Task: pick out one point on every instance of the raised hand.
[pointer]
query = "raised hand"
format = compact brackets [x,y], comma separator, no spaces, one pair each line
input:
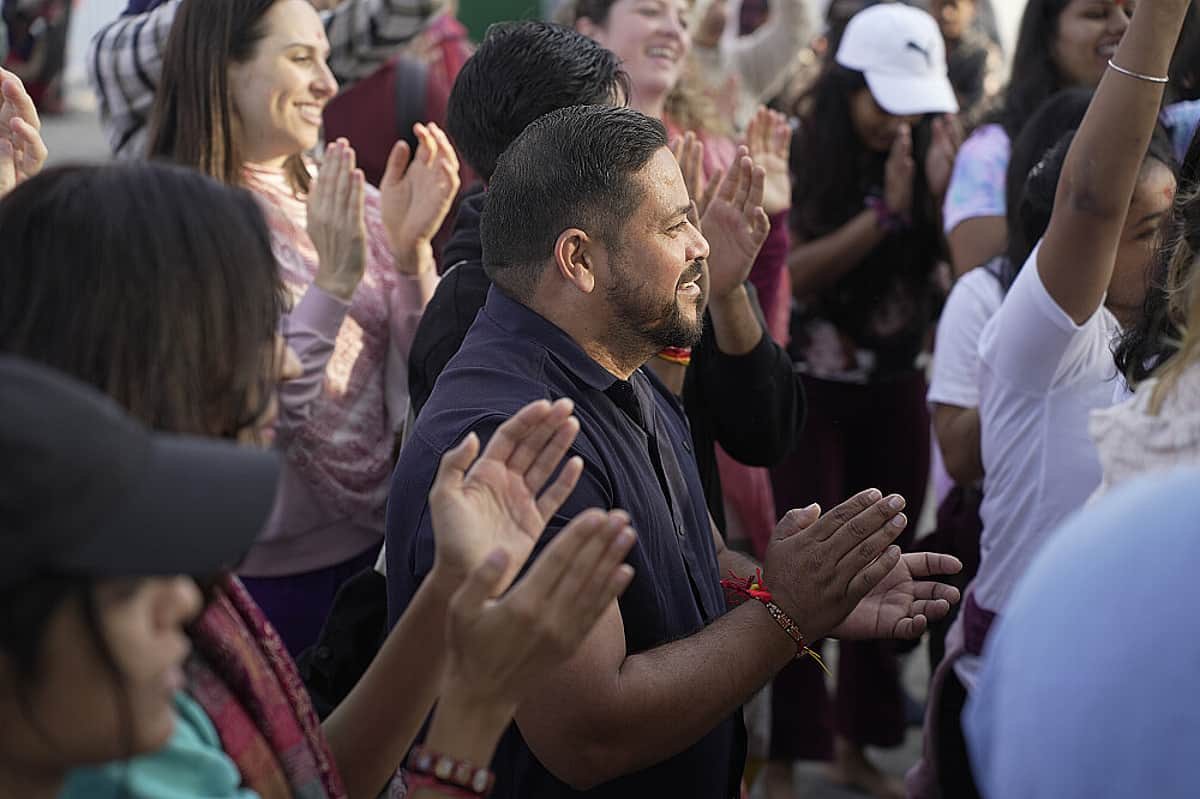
[898,173]
[689,153]
[415,196]
[497,501]
[769,139]
[943,149]
[820,567]
[903,604]
[335,222]
[735,225]
[498,648]
[22,151]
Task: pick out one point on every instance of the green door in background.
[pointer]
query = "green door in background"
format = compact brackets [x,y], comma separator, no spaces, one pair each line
[478,14]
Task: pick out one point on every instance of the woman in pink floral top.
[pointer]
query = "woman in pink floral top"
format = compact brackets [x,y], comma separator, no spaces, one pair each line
[244,105]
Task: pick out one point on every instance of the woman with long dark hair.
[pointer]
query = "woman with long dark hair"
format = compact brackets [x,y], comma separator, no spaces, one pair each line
[243,86]
[871,160]
[1061,43]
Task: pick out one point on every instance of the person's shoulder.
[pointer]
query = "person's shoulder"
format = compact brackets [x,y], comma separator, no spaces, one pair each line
[988,139]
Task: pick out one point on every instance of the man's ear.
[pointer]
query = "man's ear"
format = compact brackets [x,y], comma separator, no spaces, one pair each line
[575,256]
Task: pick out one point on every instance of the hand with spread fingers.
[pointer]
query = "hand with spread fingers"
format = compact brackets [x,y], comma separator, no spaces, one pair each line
[22,151]
[735,225]
[500,499]
[415,196]
[839,574]
[769,139]
[336,223]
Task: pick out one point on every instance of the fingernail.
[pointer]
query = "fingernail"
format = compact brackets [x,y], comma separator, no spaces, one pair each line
[896,502]
[874,495]
[899,521]
[625,537]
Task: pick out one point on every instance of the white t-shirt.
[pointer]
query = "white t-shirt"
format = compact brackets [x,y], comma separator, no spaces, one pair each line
[954,379]
[1041,375]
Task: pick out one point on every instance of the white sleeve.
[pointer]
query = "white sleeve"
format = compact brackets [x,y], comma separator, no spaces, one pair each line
[1033,344]
[955,375]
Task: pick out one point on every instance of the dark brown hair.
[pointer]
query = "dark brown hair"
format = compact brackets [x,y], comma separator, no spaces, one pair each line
[151,282]
[193,122]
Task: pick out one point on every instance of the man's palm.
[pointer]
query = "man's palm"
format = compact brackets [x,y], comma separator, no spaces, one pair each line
[903,603]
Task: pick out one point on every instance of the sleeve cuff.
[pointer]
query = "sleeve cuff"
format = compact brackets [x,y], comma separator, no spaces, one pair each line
[318,311]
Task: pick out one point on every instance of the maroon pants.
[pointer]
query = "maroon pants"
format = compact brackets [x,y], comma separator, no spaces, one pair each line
[855,437]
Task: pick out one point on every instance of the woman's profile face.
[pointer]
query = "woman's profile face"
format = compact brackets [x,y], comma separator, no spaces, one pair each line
[76,711]
[1088,34]
[1152,200]
[280,94]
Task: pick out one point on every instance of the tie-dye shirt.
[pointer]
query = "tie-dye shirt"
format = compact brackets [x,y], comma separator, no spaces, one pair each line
[977,183]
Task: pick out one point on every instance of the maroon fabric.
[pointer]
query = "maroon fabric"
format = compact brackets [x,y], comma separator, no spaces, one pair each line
[977,623]
[856,437]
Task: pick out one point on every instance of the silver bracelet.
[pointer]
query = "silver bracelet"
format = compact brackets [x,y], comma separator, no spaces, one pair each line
[1138,75]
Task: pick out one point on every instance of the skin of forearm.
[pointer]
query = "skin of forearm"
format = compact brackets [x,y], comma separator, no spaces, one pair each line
[735,324]
[372,729]
[817,264]
[696,683]
[958,435]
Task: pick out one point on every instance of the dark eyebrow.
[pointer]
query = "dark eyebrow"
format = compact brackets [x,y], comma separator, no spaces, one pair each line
[312,48]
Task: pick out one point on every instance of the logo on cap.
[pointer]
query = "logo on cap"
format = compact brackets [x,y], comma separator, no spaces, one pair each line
[922,50]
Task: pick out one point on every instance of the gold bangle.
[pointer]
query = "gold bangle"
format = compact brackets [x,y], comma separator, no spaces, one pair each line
[1137,75]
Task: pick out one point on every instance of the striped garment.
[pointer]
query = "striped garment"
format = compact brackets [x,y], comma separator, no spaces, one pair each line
[124,62]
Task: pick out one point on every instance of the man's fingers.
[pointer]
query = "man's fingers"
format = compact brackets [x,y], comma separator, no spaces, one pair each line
[933,590]
[22,104]
[33,149]
[847,510]
[557,492]
[928,564]
[745,168]
[758,181]
[861,540]
[910,628]
[514,430]
[607,545]
[932,609]
[576,548]
[872,574]
[796,520]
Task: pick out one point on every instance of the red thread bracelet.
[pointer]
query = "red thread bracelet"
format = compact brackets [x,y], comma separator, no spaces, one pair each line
[754,588]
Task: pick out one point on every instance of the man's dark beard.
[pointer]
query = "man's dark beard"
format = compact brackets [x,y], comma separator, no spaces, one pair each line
[659,326]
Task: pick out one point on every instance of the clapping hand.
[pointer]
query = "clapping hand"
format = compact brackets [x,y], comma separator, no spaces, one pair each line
[22,151]
[943,149]
[689,154]
[769,139]
[336,223]
[500,500]
[735,225]
[415,196]
[839,574]
[498,648]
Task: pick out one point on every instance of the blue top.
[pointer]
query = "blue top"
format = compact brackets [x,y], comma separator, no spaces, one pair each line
[192,765]
[1088,685]
[637,454]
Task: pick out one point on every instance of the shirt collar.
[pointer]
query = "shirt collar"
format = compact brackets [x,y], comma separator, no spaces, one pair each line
[523,322]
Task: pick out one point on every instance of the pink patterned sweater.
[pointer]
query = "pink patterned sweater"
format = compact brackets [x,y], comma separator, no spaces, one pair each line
[337,422]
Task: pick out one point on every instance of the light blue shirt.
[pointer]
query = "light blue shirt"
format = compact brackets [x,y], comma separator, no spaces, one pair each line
[1089,684]
[191,766]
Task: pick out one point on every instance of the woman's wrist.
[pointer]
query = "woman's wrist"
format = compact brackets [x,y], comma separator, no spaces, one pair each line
[466,725]
[414,260]
[341,288]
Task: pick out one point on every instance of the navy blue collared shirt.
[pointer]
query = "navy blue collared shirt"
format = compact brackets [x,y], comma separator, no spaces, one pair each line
[637,454]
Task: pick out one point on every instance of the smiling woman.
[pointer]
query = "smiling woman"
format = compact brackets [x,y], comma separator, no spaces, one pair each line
[244,84]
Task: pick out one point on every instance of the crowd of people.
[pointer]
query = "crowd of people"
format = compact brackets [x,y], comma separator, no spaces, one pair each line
[399,417]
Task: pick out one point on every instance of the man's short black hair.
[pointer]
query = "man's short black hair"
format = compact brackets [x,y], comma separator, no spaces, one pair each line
[574,167]
[521,71]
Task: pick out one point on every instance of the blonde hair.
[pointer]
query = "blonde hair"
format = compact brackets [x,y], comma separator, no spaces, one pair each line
[1183,299]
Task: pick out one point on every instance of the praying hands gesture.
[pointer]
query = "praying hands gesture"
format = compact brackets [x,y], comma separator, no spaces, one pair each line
[22,151]
[335,222]
[943,149]
[415,196]
[500,500]
[769,139]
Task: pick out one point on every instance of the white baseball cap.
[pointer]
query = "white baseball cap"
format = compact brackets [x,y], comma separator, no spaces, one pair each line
[899,49]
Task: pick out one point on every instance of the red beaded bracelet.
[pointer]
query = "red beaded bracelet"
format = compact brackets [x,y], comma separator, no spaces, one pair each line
[430,769]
